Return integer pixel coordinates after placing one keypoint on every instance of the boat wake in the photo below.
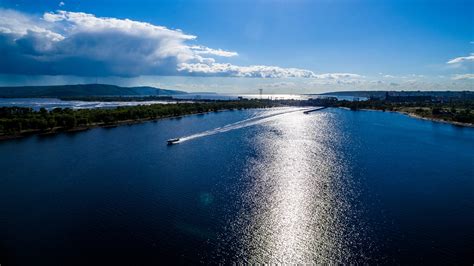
(241, 124)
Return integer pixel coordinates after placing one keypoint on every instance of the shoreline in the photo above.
(21, 122)
(415, 116)
(437, 120)
(59, 130)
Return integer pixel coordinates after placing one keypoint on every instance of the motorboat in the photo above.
(172, 141)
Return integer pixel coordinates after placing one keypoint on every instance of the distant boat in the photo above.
(314, 110)
(172, 141)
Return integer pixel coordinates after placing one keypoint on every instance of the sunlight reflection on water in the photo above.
(297, 204)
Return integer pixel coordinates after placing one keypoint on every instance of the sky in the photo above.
(280, 46)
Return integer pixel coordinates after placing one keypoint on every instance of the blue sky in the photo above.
(297, 46)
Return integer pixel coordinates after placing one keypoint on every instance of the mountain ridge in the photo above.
(82, 90)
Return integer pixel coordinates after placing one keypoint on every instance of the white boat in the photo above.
(172, 141)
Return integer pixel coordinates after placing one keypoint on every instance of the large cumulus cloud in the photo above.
(218, 69)
(74, 43)
(69, 43)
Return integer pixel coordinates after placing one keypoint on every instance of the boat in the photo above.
(172, 141)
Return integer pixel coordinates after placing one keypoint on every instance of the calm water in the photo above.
(231, 96)
(277, 186)
(51, 103)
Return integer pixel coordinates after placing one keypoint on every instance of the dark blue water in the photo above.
(274, 186)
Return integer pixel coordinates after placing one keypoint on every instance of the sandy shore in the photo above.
(437, 120)
(413, 115)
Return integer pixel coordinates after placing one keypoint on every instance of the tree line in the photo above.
(17, 120)
(456, 111)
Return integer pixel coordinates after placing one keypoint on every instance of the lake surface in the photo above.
(231, 96)
(51, 103)
(269, 185)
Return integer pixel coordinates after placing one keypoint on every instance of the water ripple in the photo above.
(296, 207)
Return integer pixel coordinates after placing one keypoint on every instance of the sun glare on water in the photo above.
(296, 205)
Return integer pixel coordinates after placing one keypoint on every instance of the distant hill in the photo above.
(381, 94)
(82, 90)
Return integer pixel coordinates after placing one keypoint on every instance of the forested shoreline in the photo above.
(459, 112)
(19, 121)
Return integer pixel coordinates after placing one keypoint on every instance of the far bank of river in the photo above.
(18, 122)
(418, 116)
(59, 129)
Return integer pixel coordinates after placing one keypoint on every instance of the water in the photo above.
(51, 103)
(269, 185)
(233, 96)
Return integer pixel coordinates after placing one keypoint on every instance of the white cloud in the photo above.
(61, 3)
(376, 82)
(199, 49)
(81, 44)
(463, 76)
(72, 43)
(462, 59)
(17, 24)
(278, 85)
(337, 76)
(256, 71)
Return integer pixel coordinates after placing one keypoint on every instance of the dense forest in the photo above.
(16, 121)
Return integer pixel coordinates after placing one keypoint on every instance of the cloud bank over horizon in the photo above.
(81, 44)
(67, 47)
